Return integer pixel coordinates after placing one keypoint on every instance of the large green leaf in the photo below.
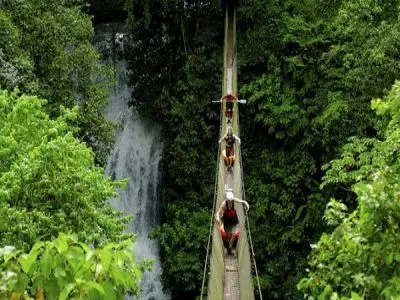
(67, 290)
(26, 261)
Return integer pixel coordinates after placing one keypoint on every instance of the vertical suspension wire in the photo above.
(213, 209)
(247, 219)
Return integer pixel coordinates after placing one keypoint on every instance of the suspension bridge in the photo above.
(230, 277)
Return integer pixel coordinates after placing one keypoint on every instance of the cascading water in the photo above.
(136, 156)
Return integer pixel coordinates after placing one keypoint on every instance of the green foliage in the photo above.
(309, 69)
(56, 61)
(184, 249)
(189, 181)
(355, 163)
(362, 157)
(275, 103)
(361, 256)
(15, 65)
(48, 181)
(65, 268)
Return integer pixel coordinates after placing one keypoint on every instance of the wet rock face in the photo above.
(112, 41)
(105, 11)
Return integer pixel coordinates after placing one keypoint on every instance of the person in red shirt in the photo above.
(228, 221)
(228, 110)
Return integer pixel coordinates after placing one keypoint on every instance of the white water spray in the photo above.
(136, 155)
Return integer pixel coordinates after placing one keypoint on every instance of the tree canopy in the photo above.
(50, 185)
(359, 259)
(68, 269)
(46, 51)
(59, 236)
(48, 180)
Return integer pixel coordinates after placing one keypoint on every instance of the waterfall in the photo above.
(136, 156)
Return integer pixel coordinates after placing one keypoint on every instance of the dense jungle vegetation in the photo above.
(59, 237)
(321, 161)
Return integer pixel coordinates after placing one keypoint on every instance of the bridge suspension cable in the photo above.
(249, 232)
(212, 216)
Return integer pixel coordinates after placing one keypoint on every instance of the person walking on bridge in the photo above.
(228, 221)
(228, 110)
(228, 152)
